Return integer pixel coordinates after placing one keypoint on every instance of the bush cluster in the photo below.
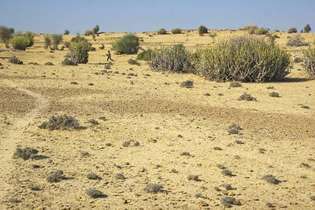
(128, 44)
(243, 59)
(309, 61)
(175, 59)
(79, 51)
(21, 42)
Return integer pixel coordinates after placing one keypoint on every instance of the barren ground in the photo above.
(181, 132)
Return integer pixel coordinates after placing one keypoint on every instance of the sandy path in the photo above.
(13, 136)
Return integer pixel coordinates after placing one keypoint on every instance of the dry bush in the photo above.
(79, 51)
(61, 122)
(242, 59)
(175, 58)
(296, 41)
(309, 61)
(145, 55)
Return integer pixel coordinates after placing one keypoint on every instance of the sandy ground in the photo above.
(181, 132)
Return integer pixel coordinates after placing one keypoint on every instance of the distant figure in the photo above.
(109, 56)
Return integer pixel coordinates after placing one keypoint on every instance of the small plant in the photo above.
(296, 41)
(307, 28)
(274, 94)
(145, 55)
(176, 31)
(162, 31)
(309, 61)
(202, 30)
(243, 59)
(128, 44)
(21, 42)
(292, 30)
(15, 60)
(47, 41)
(175, 59)
(247, 97)
(56, 39)
(61, 122)
(133, 62)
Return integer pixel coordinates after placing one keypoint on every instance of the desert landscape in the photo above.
(121, 135)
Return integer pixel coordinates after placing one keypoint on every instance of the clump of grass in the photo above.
(61, 122)
(153, 188)
(247, 97)
(175, 59)
(145, 55)
(128, 44)
(245, 59)
(15, 60)
(296, 41)
(309, 61)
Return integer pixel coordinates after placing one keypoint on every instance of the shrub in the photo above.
(175, 58)
(307, 28)
(20, 42)
(296, 41)
(79, 52)
(309, 61)
(162, 31)
(128, 44)
(258, 31)
(67, 32)
(96, 29)
(56, 39)
(202, 30)
(30, 37)
(88, 33)
(145, 55)
(242, 59)
(6, 34)
(176, 31)
(47, 41)
(133, 62)
(61, 122)
(15, 60)
(292, 30)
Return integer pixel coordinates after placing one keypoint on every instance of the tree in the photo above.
(307, 28)
(96, 29)
(6, 34)
(67, 32)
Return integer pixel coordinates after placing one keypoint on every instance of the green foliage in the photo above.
(242, 59)
(128, 44)
(162, 31)
(67, 32)
(47, 41)
(309, 61)
(79, 51)
(175, 58)
(202, 30)
(56, 39)
(20, 42)
(307, 28)
(176, 31)
(292, 30)
(6, 34)
(96, 29)
(145, 55)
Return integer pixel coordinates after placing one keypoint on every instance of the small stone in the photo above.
(153, 188)
(230, 201)
(194, 178)
(55, 176)
(93, 193)
(93, 176)
(271, 179)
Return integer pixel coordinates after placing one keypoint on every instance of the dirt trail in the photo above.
(12, 137)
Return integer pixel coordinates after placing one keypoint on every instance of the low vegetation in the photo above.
(128, 44)
(174, 59)
(6, 34)
(243, 59)
(296, 41)
(309, 61)
(22, 41)
(61, 122)
(202, 30)
(176, 31)
(145, 55)
(292, 30)
(162, 31)
(79, 51)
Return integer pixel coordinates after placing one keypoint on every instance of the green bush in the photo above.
(67, 32)
(6, 34)
(175, 58)
(258, 31)
(20, 42)
(309, 61)
(47, 41)
(162, 31)
(176, 31)
(202, 30)
(145, 55)
(242, 59)
(292, 30)
(307, 28)
(128, 44)
(79, 52)
(96, 29)
(56, 39)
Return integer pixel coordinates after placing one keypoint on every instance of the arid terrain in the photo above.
(142, 128)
